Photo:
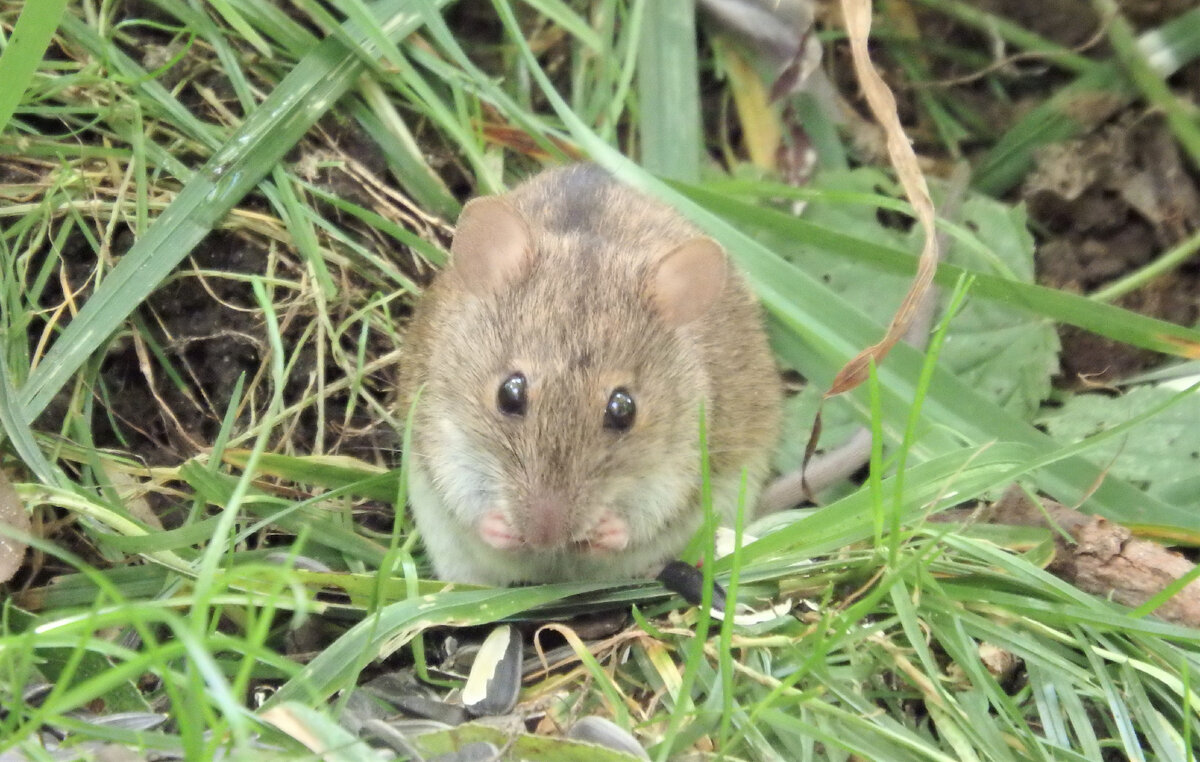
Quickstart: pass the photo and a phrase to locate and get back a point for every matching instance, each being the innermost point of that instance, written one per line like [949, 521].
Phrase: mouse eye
[620, 411]
[511, 398]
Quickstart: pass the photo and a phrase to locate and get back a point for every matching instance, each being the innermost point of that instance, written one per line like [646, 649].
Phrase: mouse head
[566, 380]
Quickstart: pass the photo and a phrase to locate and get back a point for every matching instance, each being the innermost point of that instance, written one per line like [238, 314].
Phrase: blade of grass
[562, 15]
[668, 90]
[1161, 264]
[23, 51]
[14, 424]
[1084, 312]
[400, 621]
[378, 115]
[1013, 33]
[1183, 117]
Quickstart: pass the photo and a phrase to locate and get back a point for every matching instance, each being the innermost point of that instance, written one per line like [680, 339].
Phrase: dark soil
[207, 328]
[1103, 205]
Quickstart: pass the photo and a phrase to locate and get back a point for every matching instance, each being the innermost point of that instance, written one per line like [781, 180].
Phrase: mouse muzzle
[542, 522]
[547, 523]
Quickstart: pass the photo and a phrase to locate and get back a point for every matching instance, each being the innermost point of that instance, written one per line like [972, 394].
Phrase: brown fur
[580, 319]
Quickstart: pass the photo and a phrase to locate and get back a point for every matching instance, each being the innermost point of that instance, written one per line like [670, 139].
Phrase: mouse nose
[548, 525]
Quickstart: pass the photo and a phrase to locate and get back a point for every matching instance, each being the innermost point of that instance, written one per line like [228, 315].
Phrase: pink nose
[547, 523]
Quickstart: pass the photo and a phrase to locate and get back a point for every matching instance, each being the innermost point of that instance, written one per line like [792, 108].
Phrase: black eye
[511, 397]
[620, 411]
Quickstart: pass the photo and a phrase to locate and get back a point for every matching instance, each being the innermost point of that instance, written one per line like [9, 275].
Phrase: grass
[299, 169]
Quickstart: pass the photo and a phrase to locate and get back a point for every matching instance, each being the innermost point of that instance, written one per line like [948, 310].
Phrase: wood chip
[1105, 558]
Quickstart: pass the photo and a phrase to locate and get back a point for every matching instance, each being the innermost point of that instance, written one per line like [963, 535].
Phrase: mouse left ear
[688, 280]
[491, 246]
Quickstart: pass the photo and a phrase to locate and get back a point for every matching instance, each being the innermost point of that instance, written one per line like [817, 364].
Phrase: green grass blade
[335, 667]
[1181, 116]
[669, 92]
[23, 52]
[14, 424]
[1086, 313]
[160, 101]
[379, 116]
[560, 13]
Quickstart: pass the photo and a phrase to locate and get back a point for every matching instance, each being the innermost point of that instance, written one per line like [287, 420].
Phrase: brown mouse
[564, 356]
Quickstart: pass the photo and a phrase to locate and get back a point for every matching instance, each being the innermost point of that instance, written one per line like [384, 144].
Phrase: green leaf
[1153, 454]
[1007, 354]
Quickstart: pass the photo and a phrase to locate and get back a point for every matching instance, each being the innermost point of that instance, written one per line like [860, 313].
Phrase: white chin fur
[459, 554]
[448, 507]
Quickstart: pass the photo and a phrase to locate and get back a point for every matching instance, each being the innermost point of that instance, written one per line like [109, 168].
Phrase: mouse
[559, 365]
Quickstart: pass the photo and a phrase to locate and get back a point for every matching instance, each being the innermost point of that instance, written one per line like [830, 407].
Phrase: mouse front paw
[609, 534]
[496, 530]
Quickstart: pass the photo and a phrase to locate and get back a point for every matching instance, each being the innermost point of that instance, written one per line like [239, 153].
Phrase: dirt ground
[1106, 204]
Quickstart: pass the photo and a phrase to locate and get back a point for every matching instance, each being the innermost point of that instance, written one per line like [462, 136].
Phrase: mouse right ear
[688, 280]
[491, 247]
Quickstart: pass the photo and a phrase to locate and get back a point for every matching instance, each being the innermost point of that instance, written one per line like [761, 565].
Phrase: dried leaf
[879, 97]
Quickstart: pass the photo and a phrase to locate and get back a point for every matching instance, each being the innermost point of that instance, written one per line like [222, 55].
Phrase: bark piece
[1105, 558]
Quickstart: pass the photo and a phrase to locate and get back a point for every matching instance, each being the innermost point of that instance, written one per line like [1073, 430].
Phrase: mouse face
[572, 412]
[576, 414]
[564, 361]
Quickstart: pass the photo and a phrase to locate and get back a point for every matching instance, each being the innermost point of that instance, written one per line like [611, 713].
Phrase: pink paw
[495, 529]
[609, 534]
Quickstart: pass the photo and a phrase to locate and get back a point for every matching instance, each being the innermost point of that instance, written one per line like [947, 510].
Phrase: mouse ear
[491, 246]
[688, 280]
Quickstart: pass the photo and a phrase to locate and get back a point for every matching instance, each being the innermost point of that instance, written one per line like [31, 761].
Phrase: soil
[1101, 206]
[205, 324]
[1105, 205]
